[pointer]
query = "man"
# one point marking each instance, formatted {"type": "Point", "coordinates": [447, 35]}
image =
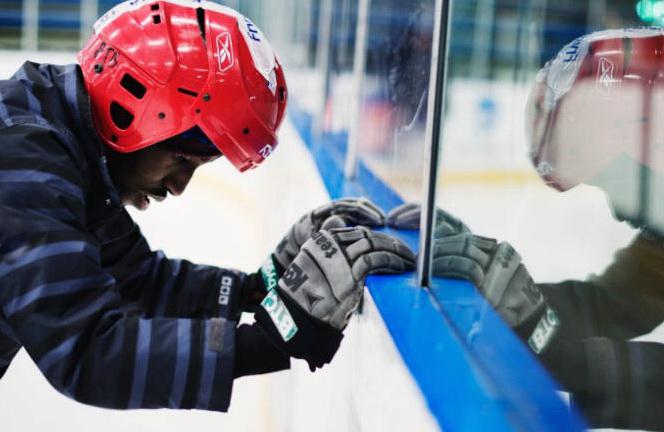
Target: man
{"type": "Point", "coordinates": [163, 87]}
{"type": "Point", "coordinates": [594, 118]}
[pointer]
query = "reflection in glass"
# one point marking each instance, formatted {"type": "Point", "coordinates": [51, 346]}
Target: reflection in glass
{"type": "Point", "coordinates": [394, 102]}
{"type": "Point", "coordinates": [562, 163]}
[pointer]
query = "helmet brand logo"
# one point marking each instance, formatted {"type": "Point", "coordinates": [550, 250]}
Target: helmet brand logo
{"type": "Point", "coordinates": [252, 30]}
{"type": "Point", "coordinates": [572, 51]}
{"type": "Point", "coordinates": [225, 51]}
{"type": "Point", "coordinates": [605, 75]}
{"type": "Point", "coordinates": [545, 169]}
{"type": "Point", "coordinates": [266, 151]}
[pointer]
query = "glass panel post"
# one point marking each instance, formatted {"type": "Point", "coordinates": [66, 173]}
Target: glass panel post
{"type": "Point", "coordinates": [359, 69]}
{"type": "Point", "coordinates": [89, 13]}
{"type": "Point", "coordinates": [436, 104]}
{"type": "Point", "coordinates": [30, 29]}
{"type": "Point", "coordinates": [323, 52]}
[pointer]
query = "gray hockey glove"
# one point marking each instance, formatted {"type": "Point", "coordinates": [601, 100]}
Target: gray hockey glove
{"type": "Point", "coordinates": [311, 305]}
{"type": "Point", "coordinates": [335, 214]}
{"type": "Point", "coordinates": [407, 217]}
{"type": "Point", "coordinates": [496, 269]}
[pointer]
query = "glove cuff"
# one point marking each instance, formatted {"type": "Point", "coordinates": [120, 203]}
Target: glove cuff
{"type": "Point", "coordinates": [256, 285]}
{"type": "Point", "coordinates": [271, 271]}
{"type": "Point", "coordinates": [540, 329]}
{"type": "Point", "coordinates": [297, 333]}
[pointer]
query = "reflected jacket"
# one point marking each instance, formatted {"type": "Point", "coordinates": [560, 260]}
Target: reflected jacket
{"type": "Point", "coordinates": [108, 321]}
{"type": "Point", "coordinates": [615, 379]}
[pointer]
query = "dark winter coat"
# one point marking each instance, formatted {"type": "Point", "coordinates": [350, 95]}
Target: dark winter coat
{"type": "Point", "coordinates": [108, 321]}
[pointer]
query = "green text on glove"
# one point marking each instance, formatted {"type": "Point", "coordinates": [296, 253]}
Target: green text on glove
{"type": "Point", "coordinates": [280, 316]}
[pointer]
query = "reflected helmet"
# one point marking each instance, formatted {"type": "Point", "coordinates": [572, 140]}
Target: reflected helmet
{"type": "Point", "coordinates": [596, 104]}
{"type": "Point", "coordinates": [157, 69]}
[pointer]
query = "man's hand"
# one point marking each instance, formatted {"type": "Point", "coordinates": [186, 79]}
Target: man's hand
{"type": "Point", "coordinates": [336, 214]}
{"type": "Point", "coordinates": [496, 269]}
{"type": "Point", "coordinates": [407, 217]}
{"type": "Point", "coordinates": [322, 287]}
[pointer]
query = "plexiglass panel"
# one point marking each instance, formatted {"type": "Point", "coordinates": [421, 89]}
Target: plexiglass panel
{"type": "Point", "coordinates": [552, 157]}
{"type": "Point", "coordinates": [292, 27]}
{"type": "Point", "coordinates": [394, 96]}
{"type": "Point", "coordinates": [335, 114]}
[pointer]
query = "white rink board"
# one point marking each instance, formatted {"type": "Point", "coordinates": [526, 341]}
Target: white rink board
{"type": "Point", "coordinates": [234, 220]}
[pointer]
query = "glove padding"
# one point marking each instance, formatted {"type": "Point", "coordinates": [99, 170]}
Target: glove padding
{"type": "Point", "coordinates": [327, 278]}
{"type": "Point", "coordinates": [407, 217]}
{"type": "Point", "coordinates": [336, 214]}
{"type": "Point", "coordinates": [323, 286]}
{"type": "Point", "coordinates": [496, 269]}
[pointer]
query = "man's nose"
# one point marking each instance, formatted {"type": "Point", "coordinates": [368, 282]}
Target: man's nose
{"type": "Point", "coordinates": [177, 182]}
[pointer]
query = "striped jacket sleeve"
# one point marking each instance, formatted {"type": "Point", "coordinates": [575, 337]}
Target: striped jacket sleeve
{"type": "Point", "coordinates": [149, 333]}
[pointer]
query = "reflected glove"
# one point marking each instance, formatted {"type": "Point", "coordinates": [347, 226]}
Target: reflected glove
{"type": "Point", "coordinates": [496, 269]}
{"type": "Point", "coordinates": [322, 287]}
{"type": "Point", "coordinates": [407, 217]}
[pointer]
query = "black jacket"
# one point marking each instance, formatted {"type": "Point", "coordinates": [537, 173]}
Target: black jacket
{"type": "Point", "coordinates": [108, 321]}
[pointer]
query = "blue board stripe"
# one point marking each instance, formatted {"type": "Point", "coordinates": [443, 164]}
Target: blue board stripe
{"type": "Point", "coordinates": [471, 380]}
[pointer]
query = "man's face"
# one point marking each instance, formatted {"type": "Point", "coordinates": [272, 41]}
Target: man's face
{"type": "Point", "coordinates": [152, 173]}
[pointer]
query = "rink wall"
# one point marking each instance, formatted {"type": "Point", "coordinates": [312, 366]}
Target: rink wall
{"type": "Point", "coordinates": [469, 378]}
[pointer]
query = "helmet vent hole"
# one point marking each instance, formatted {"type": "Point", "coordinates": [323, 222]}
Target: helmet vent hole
{"type": "Point", "coordinates": [245, 131]}
{"type": "Point", "coordinates": [156, 19]}
{"type": "Point", "coordinates": [154, 7]}
{"type": "Point", "coordinates": [134, 87]}
{"type": "Point", "coordinates": [200, 16]}
{"type": "Point", "coordinates": [188, 92]}
{"type": "Point", "coordinates": [282, 94]}
{"type": "Point", "coordinates": [122, 118]}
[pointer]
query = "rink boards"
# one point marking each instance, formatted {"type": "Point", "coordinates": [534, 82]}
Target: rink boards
{"type": "Point", "coordinates": [470, 378]}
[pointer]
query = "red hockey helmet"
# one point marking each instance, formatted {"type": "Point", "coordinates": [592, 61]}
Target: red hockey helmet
{"type": "Point", "coordinates": [597, 106]}
{"type": "Point", "coordinates": [155, 69]}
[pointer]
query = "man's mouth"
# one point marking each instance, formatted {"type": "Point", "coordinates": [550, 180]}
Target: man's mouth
{"type": "Point", "coordinates": [143, 199]}
{"type": "Point", "coordinates": [159, 197]}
